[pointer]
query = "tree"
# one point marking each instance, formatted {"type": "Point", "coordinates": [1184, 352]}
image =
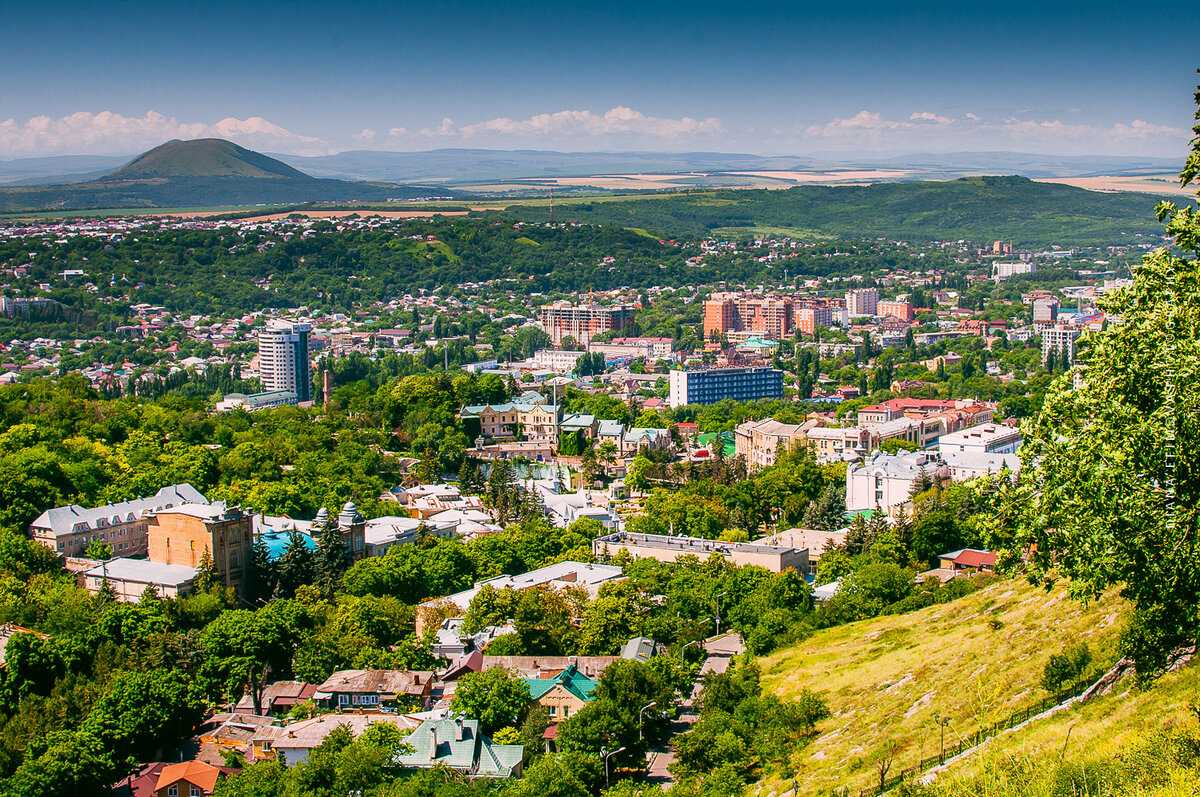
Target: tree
{"type": "Point", "coordinates": [495, 697]}
{"type": "Point", "coordinates": [295, 567]}
{"type": "Point", "coordinates": [207, 578]}
{"type": "Point", "coordinates": [332, 556]}
{"type": "Point", "coordinates": [260, 580]}
{"type": "Point", "coordinates": [98, 549]}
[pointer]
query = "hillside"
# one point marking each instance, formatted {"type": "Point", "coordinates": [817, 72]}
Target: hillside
{"type": "Point", "coordinates": [975, 208]}
{"type": "Point", "coordinates": [976, 660]}
{"type": "Point", "coordinates": [200, 173]}
{"type": "Point", "coordinates": [203, 157]}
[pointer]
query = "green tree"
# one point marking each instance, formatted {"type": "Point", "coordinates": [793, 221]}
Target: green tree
{"type": "Point", "coordinates": [495, 697]}
{"type": "Point", "coordinates": [332, 557]}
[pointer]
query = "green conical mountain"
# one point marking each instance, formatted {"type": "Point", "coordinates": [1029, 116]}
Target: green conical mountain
{"type": "Point", "coordinates": [204, 157]}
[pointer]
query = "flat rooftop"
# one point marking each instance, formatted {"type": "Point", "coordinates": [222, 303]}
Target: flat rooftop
{"type": "Point", "coordinates": [696, 545]}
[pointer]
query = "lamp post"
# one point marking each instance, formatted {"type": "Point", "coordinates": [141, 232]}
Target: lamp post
{"type": "Point", "coordinates": [942, 723]}
{"type": "Point", "coordinates": [683, 649]}
{"type": "Point", "coordinates": [606, 754]}
{"type": "Point", "coordinates": [717, 605]}
{"type": "Point", "coordinates": [641, 716]}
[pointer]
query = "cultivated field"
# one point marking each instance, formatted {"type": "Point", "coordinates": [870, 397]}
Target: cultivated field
{"type": "Point", "coordinates": [1146, 183]}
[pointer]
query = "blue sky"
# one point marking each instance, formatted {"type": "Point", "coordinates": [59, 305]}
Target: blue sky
{"type": "Point", "coordinates": [773, 78]}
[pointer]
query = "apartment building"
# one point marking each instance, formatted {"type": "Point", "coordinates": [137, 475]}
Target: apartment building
{"type": "Point", "coordinates": [759, 443]}
{"type": "Point", "coordinates": [862, 302]}
{"type": "Point", "coordinates": [1060, 340]}
{"type": "Point", "coordinates": [985, 438]}
{"type": "Point", "coordinates": [833, 443]}
{"type": "Point", "coordinates": [1002, 271]}
{"type": "Point", "coordinates": [716, 384]}
{"type": "Point", "coordinates": [901, 310]}
{"type": "Point", "coordinates": [67, 530]}
{"type": "Point", "coordinates": [884, 481]}
{"type": "Point", "coordinates": [812, 316]}
{"type": "Point", "coordinates": [561, 320]}
{"type": "Point", "coordinates": [283, 359]}
{"type": "Point", "coordinates": [1045, 310]}
{"type": "Point", "coordinates": [767, 316]}
{"type": "Point", "coordinates": [670, 549]}
{"type": "Point", "coordinates": [922, 421]}
{"type": "Point", "coordinates": [182, 534]}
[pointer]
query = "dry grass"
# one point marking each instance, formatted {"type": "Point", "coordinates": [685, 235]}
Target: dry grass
{"type": "Point", "coordinates": [1148, 184]}
{"type": "Point", "coordinates": [975, 660]}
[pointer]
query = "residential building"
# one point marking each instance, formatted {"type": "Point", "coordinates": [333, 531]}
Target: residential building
{"type": "Point", "coordinates": [967, 465]}
{"type": "Point", "coordinates": [769, 316]}
{"type": "Point", "coordinates": [968, 561]}
{"type": "Point", "coordinates": [838, 443]}
{"type": "Point", "coordinates": [1059, 341]}
{"type": "Point", "coordinates": [556, 360]}
{"type": "Point", "coordinates": [986, 438]}
{"type": "Point", "coordinates": [187, 779]}
{"type": "Point", "coordinates": [902, 310]}
{"type": "Point", "coordinates": [560, 575]}
{"type": "Point", "coordinates": [811, 316]}
{"type": "Point", "coordinates": [862, 302]}
{"type": "Point", "coordinates": [759, 443]}
{"type": "Point", "coordinates": [884, 481]}
{"type": "Point", "coordinates": [1002, 271]}
{"type": "Point", "coordinates": [535, 421]}
{"type": "Point", "coordinates": [456, 743]}
{"type": "Point", "coordinates": [283, 358]}
{"type": "Point", "coordinates": [582, 322]}
{"type": "Point", "coordinates": [374, 689]}
{"type": "Point", "coordinates": [1045, 310]}
{"type": "Point", "coordinates": [814, 541]}
{"type": "Point", "coordinates": [279, 696]}
{"type": "Point", "coordinates": [182, 535]}
{"type": "Point", "coordinates": [564, 694]}
{"type": "Point", "coordinates": [383, 533]}
{"type": "Point", "coordinates": [651, 348]}
{"type": "Point", "coordinates": [255, 401]}
{"type": "Point", "coordinates": [129, 578]}
{"type": "Point", "coordinates": [291, 744]}
{"type": "Point", "coordinates": [922, 421]}
{"type": "Point", "coordinates": [715, 384]}
{"type": "Point", "coordinates": [669, 549]}
{"type": "Point", "coordinates": [67, 530]}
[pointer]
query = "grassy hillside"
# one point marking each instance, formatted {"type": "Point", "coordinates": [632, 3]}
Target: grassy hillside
{"type": "Point", "coordinates": [1132, 741]}
{"type": "Point", "coordinates": [975, 208]}
{"type": "Point", "coordinates": [976, 660]}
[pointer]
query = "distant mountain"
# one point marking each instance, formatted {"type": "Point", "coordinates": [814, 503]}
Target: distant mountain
{"type": "Point", "coordinates": [200, 173]}
{"type": "Point", "coordinates": [204, 157]}
{"type": "Point", "coordinates": [1025, 164]}
{"type": "Point", "coordinates": [58, 169]}
{"type": "Point", "coordinates": [483, 165]}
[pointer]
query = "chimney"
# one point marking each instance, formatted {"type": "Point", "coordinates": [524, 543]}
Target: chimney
{"type": "Point", "coordinates": [434, 744]}
{"type": "Point", "coordinates": [458, 729]}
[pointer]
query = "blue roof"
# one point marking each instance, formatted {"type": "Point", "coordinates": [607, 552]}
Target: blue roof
{"type": "Point", "coordinates": [277, 542]}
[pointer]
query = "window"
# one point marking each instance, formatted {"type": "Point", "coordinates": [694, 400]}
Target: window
{"type": "Point", "coordinates": [173, 790]}
{"type": "Point", "coordinates": [343, 700]}
{"type": "Point", "coordinates": [194, 791]}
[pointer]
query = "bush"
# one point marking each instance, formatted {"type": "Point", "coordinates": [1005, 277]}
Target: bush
{"type": "Point", "coordinates": [1064, 669]}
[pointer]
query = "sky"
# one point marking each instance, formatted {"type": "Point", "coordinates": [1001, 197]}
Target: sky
{"type": "Point", "coordinates": [770, 78]}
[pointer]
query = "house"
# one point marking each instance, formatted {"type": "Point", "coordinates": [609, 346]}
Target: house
{"type": "Point", "coordinates": [226, 732]}
{"type": "Point", "coordinates": [639, 439]}
{"type": "Point", "coordinates": [292, 743]}
{"type": "Point", "coordinates": [666, 548]}
{"type": "Point", "coordinates": [184, 534]}
{"type": "Point", "coordinates": [564, 694]}
{"type": "Point", "coordinates": [188, 779]}
{"type": "Point", "coordinates": [886, 480]}
{"type": "Point", "coordinates": [815, 541]}
{"type": "Point", "coordinates": [759, 443]}
{"type": "Point", "coordinates": [986, 438]}
{"type": "Point", "coordinates": [451, 643]}
{"type": "Point", "coordinates": [279, 696]}
{"type": "Point", "coordinates": [373, 689]}
{"type": "Point", "coordinates": [535, 421]}
{"type": "Point", "coordinates": [968, 561]}
{"type": "Point", "coordinates": [457, 744]}
{"type": "Point", "coordinates": [67, 530]}
{"type": "Point", "coordinates": [641, 648]}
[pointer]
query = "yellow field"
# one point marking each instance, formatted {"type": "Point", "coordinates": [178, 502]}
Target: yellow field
{"type": "Point", "coordinates": [1148, 184]}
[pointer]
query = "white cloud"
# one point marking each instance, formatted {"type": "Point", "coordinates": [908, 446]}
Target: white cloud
{"type": "Point", "coordinates": [109, 132]}
{"type": "Point", "coordinates": [926, 116]}
{"type": "Point", "coordinates": [365, 136]}
{"type": "Point", "coordinates": [1141, 129]}
{"type": "Point", "coordinates": [862, 122]}
{"type": "Point", "coordinates": [574, 124]}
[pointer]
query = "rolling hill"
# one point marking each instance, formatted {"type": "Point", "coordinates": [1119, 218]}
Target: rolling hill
{"type": "Point", "coordinates": [200, 173]}
{"type": "Point", "coordinates": [972, 208]}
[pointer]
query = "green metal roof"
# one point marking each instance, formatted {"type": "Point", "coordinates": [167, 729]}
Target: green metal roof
{"type": "Point", "coordinates": [570, 679]}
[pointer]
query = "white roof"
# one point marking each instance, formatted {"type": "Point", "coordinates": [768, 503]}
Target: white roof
{"type": "Point", "coordinates": [561, 574]}
{"type": "Point", "coordinates": [143, 571]}
{"type": "Point", "coordinates": [69, 519]}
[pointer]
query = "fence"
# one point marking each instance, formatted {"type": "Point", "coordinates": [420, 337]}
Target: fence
{"type": "Point", "coordinates": [974, 740]}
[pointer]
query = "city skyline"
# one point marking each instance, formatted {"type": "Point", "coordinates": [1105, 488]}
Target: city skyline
{"type": "Point", "coordinates": [798, 79]}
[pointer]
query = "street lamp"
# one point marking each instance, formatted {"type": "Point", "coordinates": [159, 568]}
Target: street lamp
{"type": "Point", "coordinates": [605, 754]}
{"type": "Point", "coordinates": [942, 722]}
{"type": "Point", "coordinates": [717, 604]}
{"type": "Point", "coordinates": [641, 715]}
{"type": "Point", "coordinates": [683, 649]}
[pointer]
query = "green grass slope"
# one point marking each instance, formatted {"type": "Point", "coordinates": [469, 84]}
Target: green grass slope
{"type": "Point", "coordinates": [976, 660]}
{"type": "Point", "coordinates": [974, 208]}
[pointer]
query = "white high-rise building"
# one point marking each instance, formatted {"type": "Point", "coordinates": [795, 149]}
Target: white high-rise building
{"type": "Point", "coordinates": [283, 358]}
{"type": "Point", "coordinates": [862, 302]}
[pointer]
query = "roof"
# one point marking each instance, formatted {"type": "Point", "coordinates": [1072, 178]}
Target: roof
{"type": "Point", "coordinates": [195, 772]}
{"type": "Point", "coordinates": [390, 682]}
{"type": "Point", "coordinates": [546, 666]}
{"type": "Point", "coordinates": [971, 557]}
{"type": "Point", "coordinates": [73, 518]}
{"type": "Point", "coordinates": [206, 511]}
{"type": "Point", "coordinates": [457, 743]}
{"type": "Point", "coordinates": [310, 733]}
{"type": "Point", "coordinates": [570, 679]}
{"type": "Point", "coordinates": [588, 576]}
{"type": "Point", "coordinates": [277, 542]}
{"type": "Point", "coordinates": [143, 571]}
{"type": "Point", "coordinates": [280, 693]}
{"type": "Point", "coordinates": [640, 648]}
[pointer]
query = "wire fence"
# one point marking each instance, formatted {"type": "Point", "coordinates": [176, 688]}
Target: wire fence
{"type": "Point", "coordinates": [889, 781]}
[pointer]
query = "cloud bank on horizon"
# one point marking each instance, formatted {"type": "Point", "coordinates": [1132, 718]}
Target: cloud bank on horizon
{"type": "Point", "coordinates": [619, 128]}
